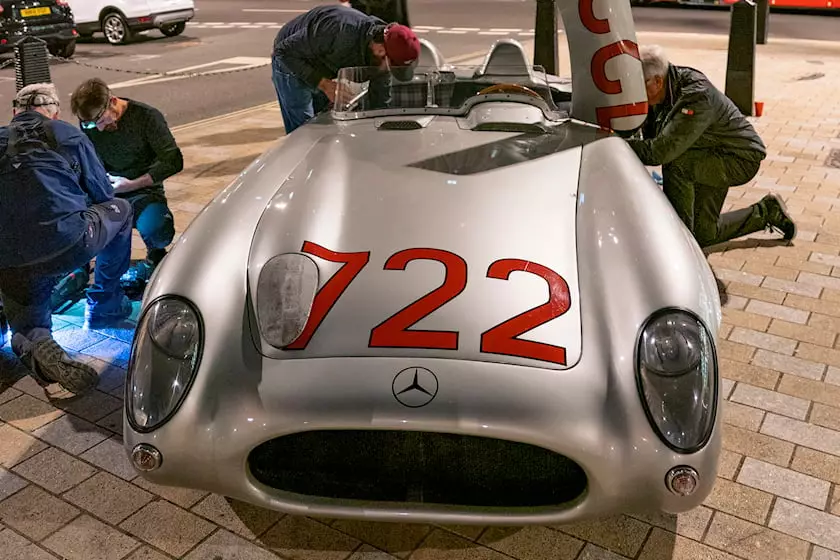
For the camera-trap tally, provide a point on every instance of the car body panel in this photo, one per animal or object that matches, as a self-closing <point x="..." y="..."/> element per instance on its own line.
<point x="140" y="14"/>
<point x="348" y="179"/>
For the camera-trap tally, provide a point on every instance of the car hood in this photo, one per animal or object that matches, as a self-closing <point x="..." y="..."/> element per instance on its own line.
<point x="433" y="243"/>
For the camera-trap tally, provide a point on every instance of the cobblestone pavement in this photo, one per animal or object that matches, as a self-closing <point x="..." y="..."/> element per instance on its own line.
<point x="67" y="491"/>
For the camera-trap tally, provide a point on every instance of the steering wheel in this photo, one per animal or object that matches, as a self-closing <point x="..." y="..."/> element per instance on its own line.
<point x="509" y="88"/>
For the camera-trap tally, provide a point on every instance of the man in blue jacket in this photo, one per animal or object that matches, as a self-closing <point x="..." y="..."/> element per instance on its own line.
<point x="57" y="212"/>
<point x="311" y="49"/>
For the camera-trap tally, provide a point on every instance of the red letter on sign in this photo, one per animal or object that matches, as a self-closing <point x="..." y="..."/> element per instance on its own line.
<point x="501" y="339"/>
<point x="394" y="333"/>
<point x="599" y="64"/>
<point x="587" y="17"/>
<point x="332" y="290"/>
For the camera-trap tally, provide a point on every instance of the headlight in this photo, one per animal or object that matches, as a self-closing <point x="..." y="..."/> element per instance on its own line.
<point x="167" y="350"/>
<point x="678" y="378"/>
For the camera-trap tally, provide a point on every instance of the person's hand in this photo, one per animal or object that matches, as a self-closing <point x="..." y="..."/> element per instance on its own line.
<point x="120" y="184"/>
<point x="328" y="87"/>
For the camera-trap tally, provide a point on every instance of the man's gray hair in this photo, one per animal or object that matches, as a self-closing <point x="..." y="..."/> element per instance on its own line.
<point x="36" y="95"/>
<point x="654" y="61"/>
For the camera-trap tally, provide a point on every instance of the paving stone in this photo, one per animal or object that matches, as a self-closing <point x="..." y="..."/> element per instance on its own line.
<point x="802" y="433"/>
<point x="110" y="455"/>
<point x="367" y="552"/>
<point x="691" y="524"/>
<point x="757" y="445"/>
<point x="803" y="333"/>
<point x="54" y="470"/>
<point x="223" y="545"/>
<point x="739" y="500"/>
<point x="742" y="416"/>
<point x="784" y="482"/>
<point x="788" y="364"/>
<point x="823" y="554"/>
<point x="531" y="543"/>
<point x="753" y="542"/>
<point x="17" y="446"/>
<point x="662" y="545"/>
<point x="621" y="534"/>
<point x="301" y="538"/>
<point x="71" y="434"/>
<point x="810" y="389"/>
<point x="749" y="373"/>
<point x="34" y="513"/>
<point x="775" y="311"/>
<point x="443" y="545"/>
<point x="766" y="341"/>
<point x="28" y="413"/>
<point x="88" y="539"/>
<point x="833" y="376"/>
<point x="167" y="527"/>
<point x="16" y="547"/>
<point x="148" y="553"/>
<point x="806" y="523"/>
<point x="592" y="552"/>
<point x="798" y="288"/>
<point x="826" y="416"/>
<point x="184" y="497"/>
<point x="9" y="484"/>
<point x="92" y="406"/>
<point x="762" y="399"/>
<point x="108" y="497"/>
<point x="239" y="517"/>
<point x="397" y="539"/>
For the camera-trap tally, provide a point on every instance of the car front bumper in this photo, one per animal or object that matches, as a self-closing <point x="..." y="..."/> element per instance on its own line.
<point x="575" y="413"/>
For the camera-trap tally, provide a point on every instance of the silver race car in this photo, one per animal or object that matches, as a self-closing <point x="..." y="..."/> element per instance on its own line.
<point x="459" y="297"/>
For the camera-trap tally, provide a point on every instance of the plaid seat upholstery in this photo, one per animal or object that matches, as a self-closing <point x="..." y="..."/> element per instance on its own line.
<point x="410" y="95"/>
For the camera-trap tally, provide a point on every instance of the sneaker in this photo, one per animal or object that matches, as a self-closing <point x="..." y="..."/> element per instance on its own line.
<point x="49" y="363"/>
<point x="777" y="216"/>
<point x="105" y="316"/>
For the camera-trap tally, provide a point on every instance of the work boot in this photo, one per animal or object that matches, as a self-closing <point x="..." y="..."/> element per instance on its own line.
<point x="777" y="217"/>
<point x="49" y="363"/>
<point x="135" y="279"/>
<point x="107" y="315"/>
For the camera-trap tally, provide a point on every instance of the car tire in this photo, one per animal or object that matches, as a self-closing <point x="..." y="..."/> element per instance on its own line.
<point x="63" y="50"/>
<point x="173" y="29"/>
<point x="116" y="29"/>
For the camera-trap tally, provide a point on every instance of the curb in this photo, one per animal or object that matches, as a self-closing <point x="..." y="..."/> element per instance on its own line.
<point x="234" y="114"/>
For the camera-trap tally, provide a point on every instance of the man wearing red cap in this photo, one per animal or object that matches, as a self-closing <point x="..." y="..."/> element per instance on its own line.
<point x="311" y="49"/>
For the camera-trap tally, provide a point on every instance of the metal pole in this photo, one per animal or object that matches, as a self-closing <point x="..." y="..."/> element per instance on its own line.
<point x="740" y="64"/>
<point x="545" y="36"/>
<point x="763" y="23"/>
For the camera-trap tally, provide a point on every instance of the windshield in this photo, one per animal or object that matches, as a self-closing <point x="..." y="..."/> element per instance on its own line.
<point x="370" y="91"/>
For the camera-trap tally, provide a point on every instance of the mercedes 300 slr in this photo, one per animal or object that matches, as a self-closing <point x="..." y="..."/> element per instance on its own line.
<point x="457" y="297"/>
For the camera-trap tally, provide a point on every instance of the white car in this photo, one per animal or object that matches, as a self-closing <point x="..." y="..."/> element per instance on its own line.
<point x="120" y="20"/>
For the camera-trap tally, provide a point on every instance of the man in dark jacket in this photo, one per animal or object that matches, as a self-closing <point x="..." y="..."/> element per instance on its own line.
<point x="138" y="150"/>
<point x="705" y="146"/>
<point x="311" y="49"/>
<point x="57" y="213"/>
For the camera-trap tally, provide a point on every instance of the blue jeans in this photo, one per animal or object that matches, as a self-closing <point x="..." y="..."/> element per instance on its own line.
<point x="153" y="221"/>
<point x="26" y="291"/>
<point x="298" y="101"/>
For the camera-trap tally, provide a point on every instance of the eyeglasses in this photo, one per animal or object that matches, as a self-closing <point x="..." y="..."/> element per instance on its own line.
<point x="91" y="124"/>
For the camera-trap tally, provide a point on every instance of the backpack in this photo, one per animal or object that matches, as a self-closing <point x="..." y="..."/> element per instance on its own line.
<point x="29" y="142"/>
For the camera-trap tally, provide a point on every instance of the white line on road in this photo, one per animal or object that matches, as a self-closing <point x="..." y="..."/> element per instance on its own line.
<point x="493" y="33"/>
<point x="505" y="29"/>
<point x="466" y="29"/>
<point x="451" y="32"/>
<point x="430" y="27"/>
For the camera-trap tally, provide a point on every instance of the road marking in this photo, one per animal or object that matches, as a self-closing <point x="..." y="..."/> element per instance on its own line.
<point x="429" y="27"/>
<point x="236" y="63"/>
<point x="493" y="33"/>
<point x="466" y="29"/>
<point x="505" y="29"/>
<point x="419" y="29"/>
<point x="274" y="10"/>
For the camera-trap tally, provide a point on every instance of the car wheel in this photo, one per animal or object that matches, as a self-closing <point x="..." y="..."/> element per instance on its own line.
<point x="63" y="50"/>
<point x="116" y="29"/>
<point x="173" y="29"/>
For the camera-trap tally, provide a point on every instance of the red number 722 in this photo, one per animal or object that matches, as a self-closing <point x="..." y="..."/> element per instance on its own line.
<point x="394" y="332"/>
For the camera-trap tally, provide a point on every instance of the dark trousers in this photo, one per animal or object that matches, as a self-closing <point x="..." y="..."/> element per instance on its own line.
<point x="153" y="221"/>
<point x="26" y="291"/>
<point x="696" y="184"/>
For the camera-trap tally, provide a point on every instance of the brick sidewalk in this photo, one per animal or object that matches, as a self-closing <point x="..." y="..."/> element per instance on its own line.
<point x="67" y="491"/>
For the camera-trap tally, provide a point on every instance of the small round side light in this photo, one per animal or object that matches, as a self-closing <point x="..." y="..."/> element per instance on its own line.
<point x="682" y="481"/>
<point x="146" y="458"/>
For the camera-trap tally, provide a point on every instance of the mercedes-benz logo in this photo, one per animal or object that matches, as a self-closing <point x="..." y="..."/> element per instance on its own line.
<point x="415" y="387"/>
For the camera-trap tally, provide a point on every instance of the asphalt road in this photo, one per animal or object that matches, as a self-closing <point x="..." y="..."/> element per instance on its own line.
<point x="238" y="34"/>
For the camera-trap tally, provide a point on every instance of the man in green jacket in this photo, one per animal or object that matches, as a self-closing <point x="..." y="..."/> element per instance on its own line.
<point x="705" y="146"/>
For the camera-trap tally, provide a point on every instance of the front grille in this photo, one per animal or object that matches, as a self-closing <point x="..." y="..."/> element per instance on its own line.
<point x="418" y="467"/>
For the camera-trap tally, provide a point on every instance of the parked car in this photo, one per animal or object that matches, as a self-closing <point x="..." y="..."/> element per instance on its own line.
<point x="456" y="297"/>
<point x="121" y="20"/>
<point x="50" y="20"/>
